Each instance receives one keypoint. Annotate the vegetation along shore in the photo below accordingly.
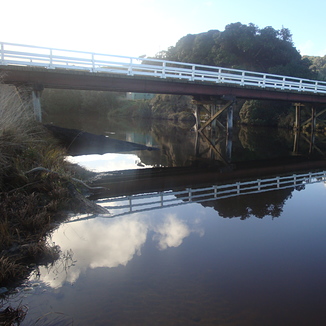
(38, 189)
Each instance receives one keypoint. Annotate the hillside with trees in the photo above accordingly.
(318, 66)
(245, 47)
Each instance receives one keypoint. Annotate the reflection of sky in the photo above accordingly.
(109, 243)
(108, 162)
(188, 260)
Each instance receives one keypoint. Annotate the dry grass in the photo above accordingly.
(29, 202)
(13, 316)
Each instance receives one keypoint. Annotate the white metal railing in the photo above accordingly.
(27, 55)
(123, 205)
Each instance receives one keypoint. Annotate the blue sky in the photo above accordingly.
(137, 27)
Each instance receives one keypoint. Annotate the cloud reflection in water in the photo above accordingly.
(111, 242)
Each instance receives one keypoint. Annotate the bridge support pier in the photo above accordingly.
(313, 120)
(36, 100)
(297, 121)
(32, 96)
(214, 108)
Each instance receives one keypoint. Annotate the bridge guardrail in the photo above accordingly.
(27, 55)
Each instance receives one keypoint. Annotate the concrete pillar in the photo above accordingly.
(31, 95)
(36, 100)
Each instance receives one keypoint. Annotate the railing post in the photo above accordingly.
(283, 83)
(162, 202)
(219, 75)
(193, 69)
(163, 69)
(2, 54)
(189, 194)
(93, 63)
(130, 68)
(264, 81)
(238, 187)
(130, 204)
(215, 191)
(51, 59)
(242, 78)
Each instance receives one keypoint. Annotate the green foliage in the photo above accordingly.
(133, 109)
(96, 102)
(318, 66)
(172, 107)
(263, 113)
(243, 47)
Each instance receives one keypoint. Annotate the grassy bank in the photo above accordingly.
(37, 190)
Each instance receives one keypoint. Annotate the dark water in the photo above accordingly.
(249, 259)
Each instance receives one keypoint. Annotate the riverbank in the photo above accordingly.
(38, 189)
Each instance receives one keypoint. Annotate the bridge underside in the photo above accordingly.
(75, 79)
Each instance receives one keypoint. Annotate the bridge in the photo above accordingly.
(40, 67)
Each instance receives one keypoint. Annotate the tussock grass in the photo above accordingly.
(24, 143)
(31, 200)
(28, 202)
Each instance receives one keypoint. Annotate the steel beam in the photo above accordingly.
(71, 79)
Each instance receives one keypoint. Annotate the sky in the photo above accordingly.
(145, 27)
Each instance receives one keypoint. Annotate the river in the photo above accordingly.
(240, 257)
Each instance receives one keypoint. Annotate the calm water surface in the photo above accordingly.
(256, 259)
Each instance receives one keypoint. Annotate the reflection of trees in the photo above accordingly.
(262, 143)
(262, 204)
(176, 143)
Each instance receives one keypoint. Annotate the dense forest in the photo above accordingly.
(242, 46)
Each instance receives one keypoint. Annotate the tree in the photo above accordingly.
(243, 47)
(317, 65)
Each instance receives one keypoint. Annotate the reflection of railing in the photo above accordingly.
(26, 55)
(145, 202)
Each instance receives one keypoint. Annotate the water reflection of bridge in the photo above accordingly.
(137, 202)
(147, 202)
